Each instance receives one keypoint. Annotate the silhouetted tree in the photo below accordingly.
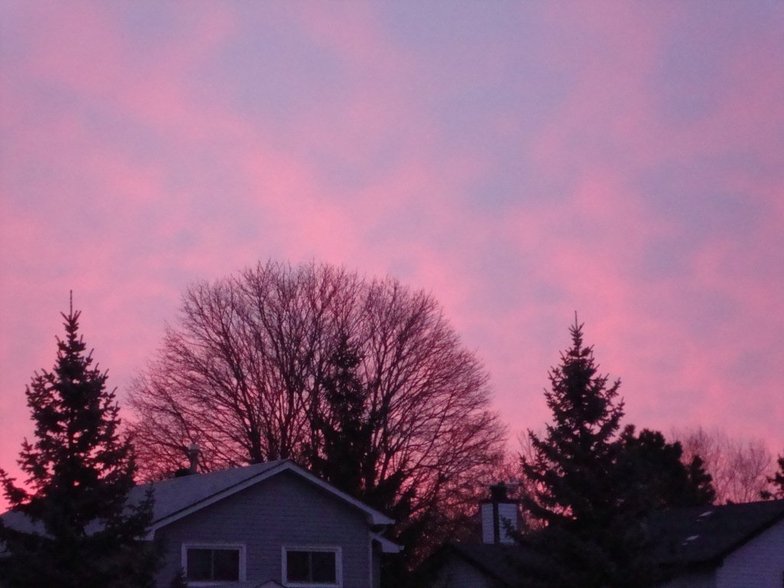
(652, 472)
(701, 481)
(73, 528)
(776, 482)
(343, 421)
(244, 373)
(592, 536)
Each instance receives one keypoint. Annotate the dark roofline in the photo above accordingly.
(759, 517)
(711, 558)
(476, 562)
(759, 530)
(504, 565)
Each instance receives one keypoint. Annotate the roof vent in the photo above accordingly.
(689, 539)
(193, 456)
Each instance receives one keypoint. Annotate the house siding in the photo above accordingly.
(376, 563)
(759, 563)
(756, 564)
(284, 510)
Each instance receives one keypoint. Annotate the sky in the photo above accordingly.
(520, 161)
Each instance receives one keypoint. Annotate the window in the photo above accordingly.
(214, 563)
(312, 566)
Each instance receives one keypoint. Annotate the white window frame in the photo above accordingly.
(184, 561)
(337, 550)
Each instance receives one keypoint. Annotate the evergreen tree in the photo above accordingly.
(652, 472)
(345, 460)
(701, 482)
(777, 481)
(589, 537)
(77, 529)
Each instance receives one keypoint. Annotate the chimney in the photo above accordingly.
(500, 516)
(193, 456)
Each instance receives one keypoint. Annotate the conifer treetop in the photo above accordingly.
(79, 473)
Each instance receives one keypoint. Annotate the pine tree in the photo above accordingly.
(347, 458)
(80, 531)
(777, 481)
(700, 482)
(588, 539)
(654, 476)
(345, 427)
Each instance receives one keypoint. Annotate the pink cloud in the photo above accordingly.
(136, 168)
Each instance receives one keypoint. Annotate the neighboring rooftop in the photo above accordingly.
(498, 561)
(682, 537)
(501, 562)
(706, 534)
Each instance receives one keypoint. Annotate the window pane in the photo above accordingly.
(297, 566)
(226, 564)
(199, 564)
(324, 566)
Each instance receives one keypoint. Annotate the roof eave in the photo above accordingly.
(375, 518)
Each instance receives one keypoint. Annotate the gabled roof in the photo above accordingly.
(704, 535)
(176, 498)
(502, 563)
(179, 497)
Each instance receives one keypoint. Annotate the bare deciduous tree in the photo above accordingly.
(739, 467)
(241, 374)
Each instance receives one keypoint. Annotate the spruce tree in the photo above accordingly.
(700, 482)
(777, 482)
(654, 476)
(72, 526)
(588, 538)
(344, 426)
(347, 458)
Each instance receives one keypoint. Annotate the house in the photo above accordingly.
(265, 525)
(728, 546)
(493, 562)
(476, 565)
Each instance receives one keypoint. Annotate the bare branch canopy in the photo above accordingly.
(242, 374)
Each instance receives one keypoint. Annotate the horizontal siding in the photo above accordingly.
(283, 510)
(758, 564)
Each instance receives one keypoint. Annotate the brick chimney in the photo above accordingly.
(500, 516)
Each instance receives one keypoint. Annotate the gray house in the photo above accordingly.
(728, 546)
(266, 525)
(494, 559)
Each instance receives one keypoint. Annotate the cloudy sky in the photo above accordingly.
(519, 160)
